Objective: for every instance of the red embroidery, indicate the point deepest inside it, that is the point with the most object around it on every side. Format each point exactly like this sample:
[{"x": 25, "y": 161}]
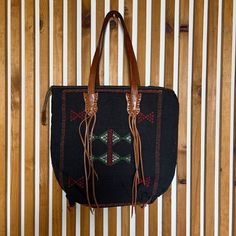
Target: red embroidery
[
  {"x": 109, "y": 146},
  {"x": 148, "y": 117},
  {"x": 147, "y": 181},
  {"x": 76, "y": 115},
  {"x": 79, "y": 182}
]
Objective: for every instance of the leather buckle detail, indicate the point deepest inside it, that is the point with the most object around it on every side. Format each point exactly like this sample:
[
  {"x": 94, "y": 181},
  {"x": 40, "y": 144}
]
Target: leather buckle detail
[
  {"x": 91, "y": 103},
  {"x": 133, "y": 103}
]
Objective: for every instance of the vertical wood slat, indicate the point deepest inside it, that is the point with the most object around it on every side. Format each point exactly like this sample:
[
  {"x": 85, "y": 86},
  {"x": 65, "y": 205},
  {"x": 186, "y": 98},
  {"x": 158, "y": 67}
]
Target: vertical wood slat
[
  {"x": 71, "y": 217},
  {"x": 57, "y": 80},
  {"x": 29, "y": 83},
  {"x": 154, "y": 81},
  {"x": 15, "y": 119},
  {"x": 3, "y": 117},
  {"x": 44, "y": 137},
  {"x": 210, "y": 118},
  {"x": 196, "y": 117},
  {"x": 181, "y": 171},
  {"x": 169, "y": 62},
  {"x": 225, "y": 117}
]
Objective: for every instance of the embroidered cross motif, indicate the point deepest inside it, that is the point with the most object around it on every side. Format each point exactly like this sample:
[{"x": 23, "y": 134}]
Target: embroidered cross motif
[
  {"x": 113, "y": 159},
  {"x": 115, "y": 138},
  {"x": 78, "y": 182},
  {"x": 146, "y": 117},
  {"x": 77, "y": 115},
  {"x": 147, "y": 181}
]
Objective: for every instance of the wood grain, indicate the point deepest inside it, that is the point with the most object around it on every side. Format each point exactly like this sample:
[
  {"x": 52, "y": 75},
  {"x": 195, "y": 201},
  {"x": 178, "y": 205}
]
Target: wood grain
[
  {"x": 128, "y": 21},
  {"x": 3, "y": 117},
  {"x": 225, "y": 117},
  {"x": 57, "y": 76},
  {"x": 86, "y": 39},
  {"x": 29, "y": 117},
  {"x": 99, "y": 20},
  {"x": 71, "y": 217},
  {"x": 181, "y": 171},
  {"x": 155, "y": 54},
  {"x": 44, "y": 140},
  {"x": 113, "y": 45},
  {"x": 169, "y": 62},
  {"x": 99, "y": 222},
  {"x": 210, "y": 117},
  {"x": 15, "y": 117},
  {"x": 196, "y": 117}
]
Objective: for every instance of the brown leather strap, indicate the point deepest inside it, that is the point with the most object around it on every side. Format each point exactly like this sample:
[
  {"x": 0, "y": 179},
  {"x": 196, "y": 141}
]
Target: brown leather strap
[{"x": 134, "y": 74}]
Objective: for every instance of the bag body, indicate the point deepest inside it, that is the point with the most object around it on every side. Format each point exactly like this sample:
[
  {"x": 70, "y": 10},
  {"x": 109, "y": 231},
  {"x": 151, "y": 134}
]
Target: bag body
[{"x": 113, "y": 145}]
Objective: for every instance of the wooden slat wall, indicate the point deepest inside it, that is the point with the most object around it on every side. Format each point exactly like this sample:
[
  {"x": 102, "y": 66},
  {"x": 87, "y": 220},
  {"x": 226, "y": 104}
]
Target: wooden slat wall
[{"x": 203, "y": 76}]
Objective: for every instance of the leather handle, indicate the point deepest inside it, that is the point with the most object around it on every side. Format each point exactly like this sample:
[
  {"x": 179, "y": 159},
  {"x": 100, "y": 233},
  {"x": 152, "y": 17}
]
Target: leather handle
[{"x": 133, "y": 67}]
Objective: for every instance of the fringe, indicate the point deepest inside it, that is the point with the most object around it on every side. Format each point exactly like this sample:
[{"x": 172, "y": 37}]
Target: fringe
[
  {"x": 137, "y": 146},
  {"x": 89, "y": 170}
]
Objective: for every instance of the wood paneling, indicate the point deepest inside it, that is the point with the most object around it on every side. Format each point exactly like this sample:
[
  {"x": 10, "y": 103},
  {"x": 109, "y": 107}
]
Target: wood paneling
[
  {"x": 196, "y": 117},
  {"x": 15, "y": 117},
  {"x": 29, "y": 116},
  {"x": 29, "y": 129},
  {"x": 225, "y": 114},
  {"x": 210, "y": 117},
  {"x": 71, "y": 218},
  {"x": 182, "y": 142},
  {"x": 44, "y": 140},
  {"x": 57, "y": 80},
  {"x": 169, "y": 62},
  {"x": 3, "y": 121}
]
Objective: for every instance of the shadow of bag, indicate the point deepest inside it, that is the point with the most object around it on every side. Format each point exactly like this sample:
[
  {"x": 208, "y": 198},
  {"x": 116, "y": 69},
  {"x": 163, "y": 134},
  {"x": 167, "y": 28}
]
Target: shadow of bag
[{"x": 113, "y": 145}]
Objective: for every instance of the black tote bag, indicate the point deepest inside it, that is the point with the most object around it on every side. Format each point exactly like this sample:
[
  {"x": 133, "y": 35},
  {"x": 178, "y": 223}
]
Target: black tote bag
[{"x": 113, "y": 145}]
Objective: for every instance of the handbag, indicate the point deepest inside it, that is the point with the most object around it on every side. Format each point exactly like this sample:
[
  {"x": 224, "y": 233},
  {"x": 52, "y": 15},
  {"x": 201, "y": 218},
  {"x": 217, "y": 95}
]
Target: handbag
[{"x": 113, "y": 145}]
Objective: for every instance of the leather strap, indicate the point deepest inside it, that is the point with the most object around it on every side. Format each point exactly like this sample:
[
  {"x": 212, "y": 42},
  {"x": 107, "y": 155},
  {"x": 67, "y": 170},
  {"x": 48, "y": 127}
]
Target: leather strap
[{"x": 133, "y": 67}]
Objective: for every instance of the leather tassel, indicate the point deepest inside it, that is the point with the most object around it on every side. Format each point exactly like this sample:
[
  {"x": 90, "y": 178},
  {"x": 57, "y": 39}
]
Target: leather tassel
[
  {"x": 133, "y": 109},
  {"x": 86, "y": 139}
]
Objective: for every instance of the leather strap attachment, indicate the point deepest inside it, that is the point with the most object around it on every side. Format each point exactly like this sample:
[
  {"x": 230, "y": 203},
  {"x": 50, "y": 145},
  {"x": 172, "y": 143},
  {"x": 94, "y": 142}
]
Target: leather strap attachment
[{"x": 133, "y": 67}]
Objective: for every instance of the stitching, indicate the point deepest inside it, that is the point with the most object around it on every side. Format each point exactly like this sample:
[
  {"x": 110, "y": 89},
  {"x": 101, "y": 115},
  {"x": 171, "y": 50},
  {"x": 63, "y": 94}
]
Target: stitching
[
  {"x": 158, "y": 138},
  {"x": 146, "y": 117},
  {"x": 109, "y": 146},
  {"x": 63, "y": 130},
  {"x": 77, "y": 115},
  {"x": 158, "y": 134}
]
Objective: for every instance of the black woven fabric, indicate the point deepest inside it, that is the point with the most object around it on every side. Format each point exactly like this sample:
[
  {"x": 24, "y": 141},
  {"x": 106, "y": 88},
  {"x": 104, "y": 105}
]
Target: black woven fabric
[{"x": 112, "y": 144}]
